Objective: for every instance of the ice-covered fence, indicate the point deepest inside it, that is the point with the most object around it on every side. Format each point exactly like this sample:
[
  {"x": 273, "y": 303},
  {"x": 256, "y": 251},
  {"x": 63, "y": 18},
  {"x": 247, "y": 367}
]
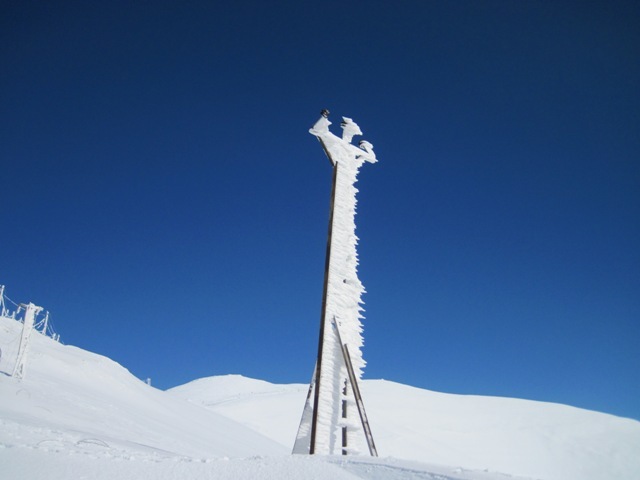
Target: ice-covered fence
[{"x": 16, "y": 311}]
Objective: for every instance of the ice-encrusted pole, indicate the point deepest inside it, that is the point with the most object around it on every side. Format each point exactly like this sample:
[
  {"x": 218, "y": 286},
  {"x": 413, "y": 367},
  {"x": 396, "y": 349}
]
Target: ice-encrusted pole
[
  {"x": 31, "y": 311},
  {"x": 330, "y": 424},
  {"x": 3, "y": 308}
]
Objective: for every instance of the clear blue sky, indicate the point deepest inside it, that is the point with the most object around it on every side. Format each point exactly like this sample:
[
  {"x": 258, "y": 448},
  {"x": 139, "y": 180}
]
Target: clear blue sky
[{"x": 162, "y": 197}]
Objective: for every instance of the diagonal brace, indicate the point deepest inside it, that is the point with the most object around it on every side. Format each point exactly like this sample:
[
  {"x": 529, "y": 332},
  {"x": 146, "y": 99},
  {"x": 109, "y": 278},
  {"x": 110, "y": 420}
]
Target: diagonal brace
[{"x": 356, "y": 392}]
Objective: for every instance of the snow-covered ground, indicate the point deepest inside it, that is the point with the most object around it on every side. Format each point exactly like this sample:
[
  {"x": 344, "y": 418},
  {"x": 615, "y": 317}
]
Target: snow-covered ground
[
  {"x": 80, "y": 415},
  {"x": 518, "y": 437}
]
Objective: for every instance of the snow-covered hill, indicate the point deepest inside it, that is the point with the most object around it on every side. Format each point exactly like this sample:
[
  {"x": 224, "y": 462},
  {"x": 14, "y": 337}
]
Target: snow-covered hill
[
  {"x": 519, "y": 437},
  {"x": 73, "y": 397},
  {"x": 80, "y": 415}
]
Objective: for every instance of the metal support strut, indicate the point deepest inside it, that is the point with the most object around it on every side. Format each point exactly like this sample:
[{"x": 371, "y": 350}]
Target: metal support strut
[{"x": 356, "y": 392}]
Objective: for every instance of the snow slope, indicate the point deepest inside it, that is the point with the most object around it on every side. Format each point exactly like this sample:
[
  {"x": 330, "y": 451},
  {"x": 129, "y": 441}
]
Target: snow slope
[
  {"x": 77, "y": 401},
  {"x": 534, "y": 439},
  {"x": 80, "y": 415}
]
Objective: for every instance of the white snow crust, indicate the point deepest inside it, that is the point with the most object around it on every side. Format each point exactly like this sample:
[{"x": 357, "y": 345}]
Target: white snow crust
[{"x": 80, "y": 415}]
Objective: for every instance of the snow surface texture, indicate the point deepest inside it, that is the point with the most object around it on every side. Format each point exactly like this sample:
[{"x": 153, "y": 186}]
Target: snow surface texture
[
  {"x": 81, "y": 415},
  {"x": 519, "y": 437},
  {"x": 342, "y": 305}
]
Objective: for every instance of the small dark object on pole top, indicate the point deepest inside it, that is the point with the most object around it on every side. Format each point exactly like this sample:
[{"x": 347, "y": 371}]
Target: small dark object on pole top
[{"x": 324, "y": 112}]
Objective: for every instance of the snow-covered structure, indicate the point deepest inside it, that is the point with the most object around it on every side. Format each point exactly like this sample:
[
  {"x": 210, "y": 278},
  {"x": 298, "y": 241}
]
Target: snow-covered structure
[
  {"x": 27, "y": 314},
  {"x": 31, "y": 311},
  {"x": 334, "y": 420}
]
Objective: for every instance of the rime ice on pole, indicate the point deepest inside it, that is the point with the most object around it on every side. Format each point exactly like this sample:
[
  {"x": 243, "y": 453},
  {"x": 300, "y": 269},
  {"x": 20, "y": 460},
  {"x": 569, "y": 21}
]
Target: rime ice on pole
[{"x": 333, "y": 420}]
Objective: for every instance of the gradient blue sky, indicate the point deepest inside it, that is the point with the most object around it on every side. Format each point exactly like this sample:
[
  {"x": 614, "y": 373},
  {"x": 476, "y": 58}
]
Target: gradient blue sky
[{"x": 162, "y": 198}]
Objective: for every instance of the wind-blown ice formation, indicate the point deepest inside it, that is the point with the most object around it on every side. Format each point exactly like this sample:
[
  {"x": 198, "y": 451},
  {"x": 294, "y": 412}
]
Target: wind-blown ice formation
[{"x": 331, "y": 395}]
